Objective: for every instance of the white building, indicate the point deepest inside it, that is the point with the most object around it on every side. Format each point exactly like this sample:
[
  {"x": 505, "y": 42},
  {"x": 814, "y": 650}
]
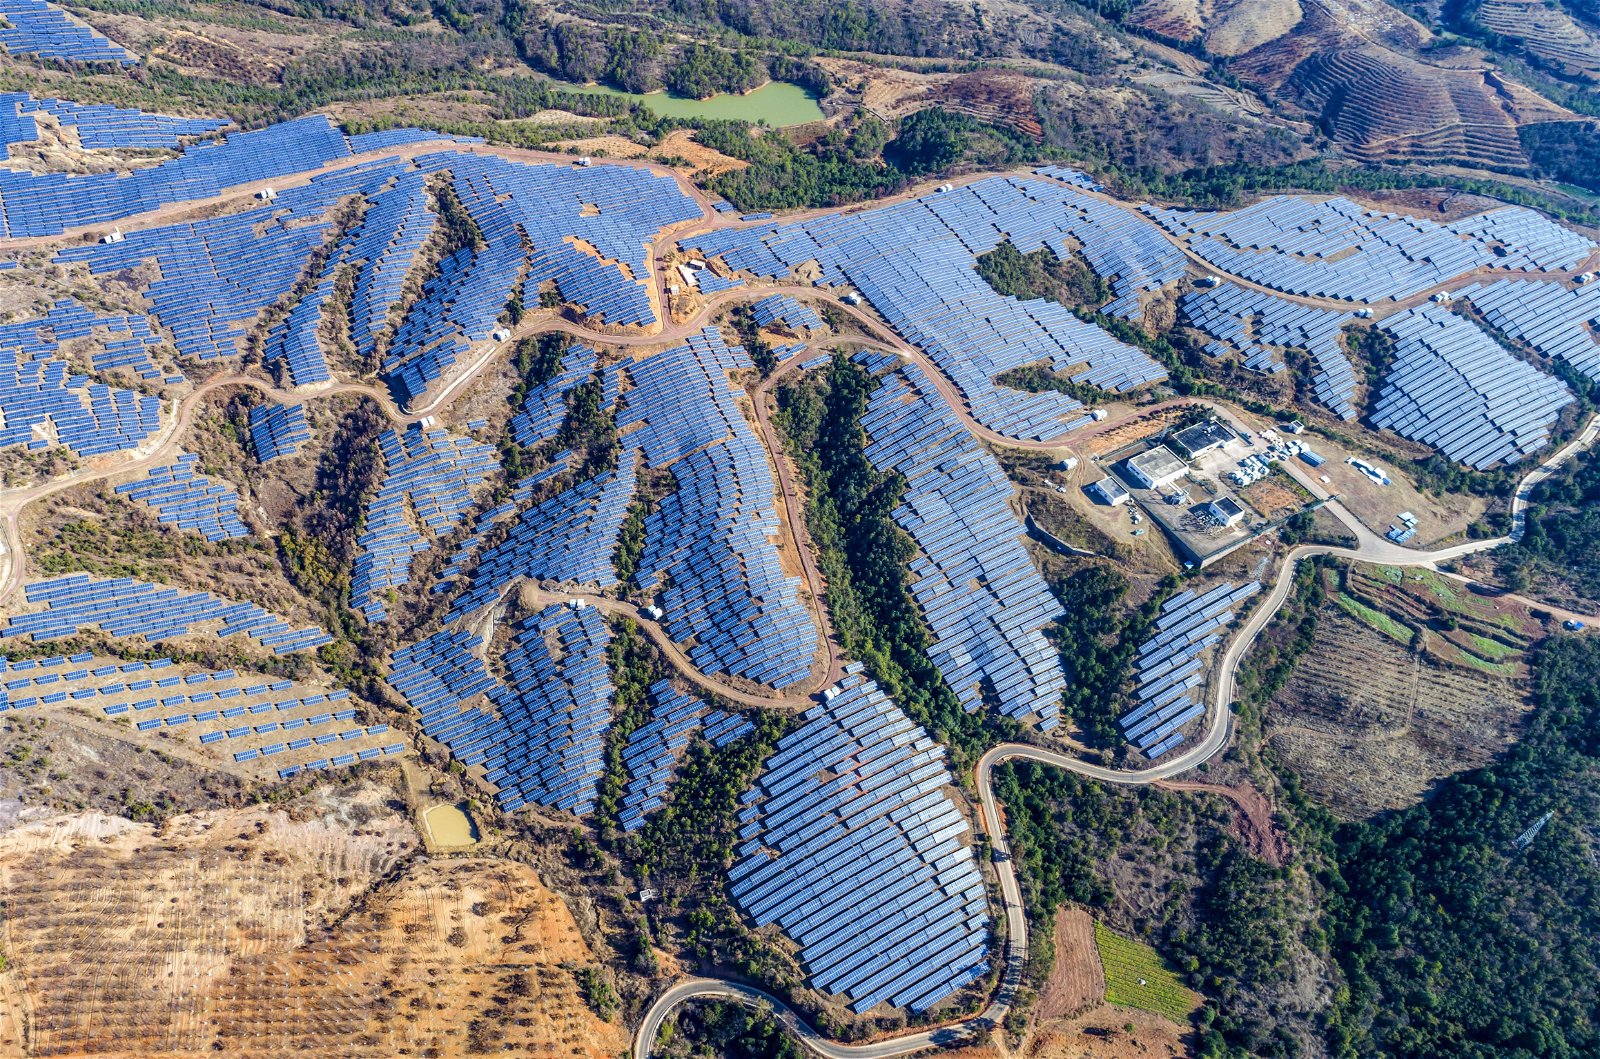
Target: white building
[
  {"x": 1226, "y": 510},
  {"x": 1108, "y": 491},
  {"x": 1156, "y": 468}
]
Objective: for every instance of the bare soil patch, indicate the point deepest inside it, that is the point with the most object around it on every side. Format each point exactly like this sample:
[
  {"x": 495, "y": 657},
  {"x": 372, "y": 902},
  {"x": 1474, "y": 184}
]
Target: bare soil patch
[
  {"x": 1077, "y": 982},
  {"x": 1254, "y": 824},
  {"x": 1102, "y": 1033}
]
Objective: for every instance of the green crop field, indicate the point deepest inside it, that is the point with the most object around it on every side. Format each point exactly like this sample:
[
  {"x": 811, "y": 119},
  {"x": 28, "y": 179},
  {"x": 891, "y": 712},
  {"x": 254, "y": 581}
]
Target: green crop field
[
  {"x": 1137, "y": 977},
  {"x": 1375, "y": 618}
]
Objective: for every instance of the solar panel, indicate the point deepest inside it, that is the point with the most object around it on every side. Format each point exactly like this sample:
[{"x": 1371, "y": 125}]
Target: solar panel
[{"x": 852, "y": 847}]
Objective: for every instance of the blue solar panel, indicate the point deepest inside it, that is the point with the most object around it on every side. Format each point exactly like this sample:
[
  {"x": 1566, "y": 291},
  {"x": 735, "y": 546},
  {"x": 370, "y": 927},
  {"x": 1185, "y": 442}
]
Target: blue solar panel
[
  {"x": 914, "y": 262},
  {"x": 188, "y": 500},
  {"x": 428, "y": 473},
  {"x": 540, "y": 736},
  {"x": 570, "y": 537},
  {"x": 36, "y": 28},
  {"x": 49, "y": 203},
  {"x": 654, "y": 748},
  {"x": 852, "y": 846},
  {"x": 103, "y": 127},
  {"x": 38, "y": 390},
  {"x": 984, "y": 601},
  {"x": 1453, "y": 387},
  {"x": 125, "y": 607},
  {"x": 711, "y": 544},
  {"x": 1169, "y": 673},
  {"x": 278, "y": 430}
]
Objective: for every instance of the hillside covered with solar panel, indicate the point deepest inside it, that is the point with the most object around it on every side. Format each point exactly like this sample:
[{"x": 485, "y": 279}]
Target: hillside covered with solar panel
[{"x": 891, "y": 607}]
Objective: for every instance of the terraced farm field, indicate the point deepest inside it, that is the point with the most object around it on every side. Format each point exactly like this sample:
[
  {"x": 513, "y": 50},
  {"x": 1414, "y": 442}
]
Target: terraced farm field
[
  {"x": 1409, "y": 678},
  {"x": 1547, "y": 32},
  {"x": 1137, "y": 977}
]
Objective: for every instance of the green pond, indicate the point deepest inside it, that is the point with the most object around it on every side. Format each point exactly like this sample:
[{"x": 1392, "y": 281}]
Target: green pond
[{"x": 777, "y": 103}]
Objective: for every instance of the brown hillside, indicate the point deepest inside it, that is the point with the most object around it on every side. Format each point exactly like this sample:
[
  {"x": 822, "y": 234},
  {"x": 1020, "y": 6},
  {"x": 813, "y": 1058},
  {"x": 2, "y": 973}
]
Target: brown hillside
[{"x": 309, "y": 929}]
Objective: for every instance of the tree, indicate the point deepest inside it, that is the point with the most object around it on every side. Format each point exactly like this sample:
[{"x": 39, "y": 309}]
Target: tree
[{"x": 930, "y": 140}]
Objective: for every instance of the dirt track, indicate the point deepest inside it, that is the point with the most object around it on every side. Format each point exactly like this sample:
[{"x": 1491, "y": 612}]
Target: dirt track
[{"x": 1261, "y": 834}]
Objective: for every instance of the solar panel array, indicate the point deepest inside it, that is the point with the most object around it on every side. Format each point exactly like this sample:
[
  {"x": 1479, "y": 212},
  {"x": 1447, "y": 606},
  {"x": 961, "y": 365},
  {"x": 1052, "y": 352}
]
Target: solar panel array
[
  {"x": 386, "y": 244},
  {"x": 1261, "y": 327},
  {"x": 1454, "y": 388},
  {"x": 188, "y": 500},
  {"x": 278, "y": 430},
  {"x": 1075, "y": 177},
  {"x": 1331, "y": 249},
  {"x": 44, "y": 403},
  {"x": 853, "y": 848},
  {"x": 37, "y": 204},
  {"x": 654, "y": 748},
  {"x": 387, "y": 139},
  {"x": 782, "y": 310},
  {"x": 462, "y": 301},
  {"x": 15, "y": 127},
  {"x": 545, "y": 408},
  {"x": 914, "y": 262},
  {"x": 122, "y": 606},
  {"x": 293, "y": 339},
  {"x": 583, "y": 230},
  {"x": 37, "y": 28},
  {"x": 981, "y": 595},
  {"x": 1556, "y": 321},
  {"x": 1168, "y": 668},
  {"x": 540, "y": 737},
  {"x": 430, "y": 475},
  {"x": 128, "y": 345},
  {"x": 711, "y": 283},
  {"x": 240, "y": 714},
  {"x": 711, "y": 544},
  {"x": 1122, "y": 247},
  {"x": 569, "y": 538},
  {"x": 218, "y": 275},
  {"x": 103, "y": 127},
  {"x": 1526, "y": 240}
]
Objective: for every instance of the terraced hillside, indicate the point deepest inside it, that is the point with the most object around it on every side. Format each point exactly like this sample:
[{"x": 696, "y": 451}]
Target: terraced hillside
[
  {"x": 1548, "y": 33},
  {"x": 1408, "y": 679},
  {"x": 276, "y": 932}
]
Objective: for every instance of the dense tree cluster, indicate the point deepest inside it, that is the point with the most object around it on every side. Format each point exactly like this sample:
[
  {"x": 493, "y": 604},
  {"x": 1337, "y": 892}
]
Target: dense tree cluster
[
  {"x": 1454, "y": 941},
  {"x": 1563, "y": 524}
]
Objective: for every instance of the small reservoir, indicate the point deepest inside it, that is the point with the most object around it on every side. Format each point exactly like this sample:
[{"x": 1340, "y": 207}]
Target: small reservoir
[{"x": 449, "y": 827}]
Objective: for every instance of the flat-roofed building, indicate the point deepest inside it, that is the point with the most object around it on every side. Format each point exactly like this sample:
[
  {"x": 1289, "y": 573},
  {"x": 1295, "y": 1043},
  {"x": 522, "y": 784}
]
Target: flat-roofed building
[
  {"x": 1226, "y": 510},
  {"x": 1156, "y": 468},
  {"x": 1202, "y": 438},
  {"x": 1108, "y": 491}
]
